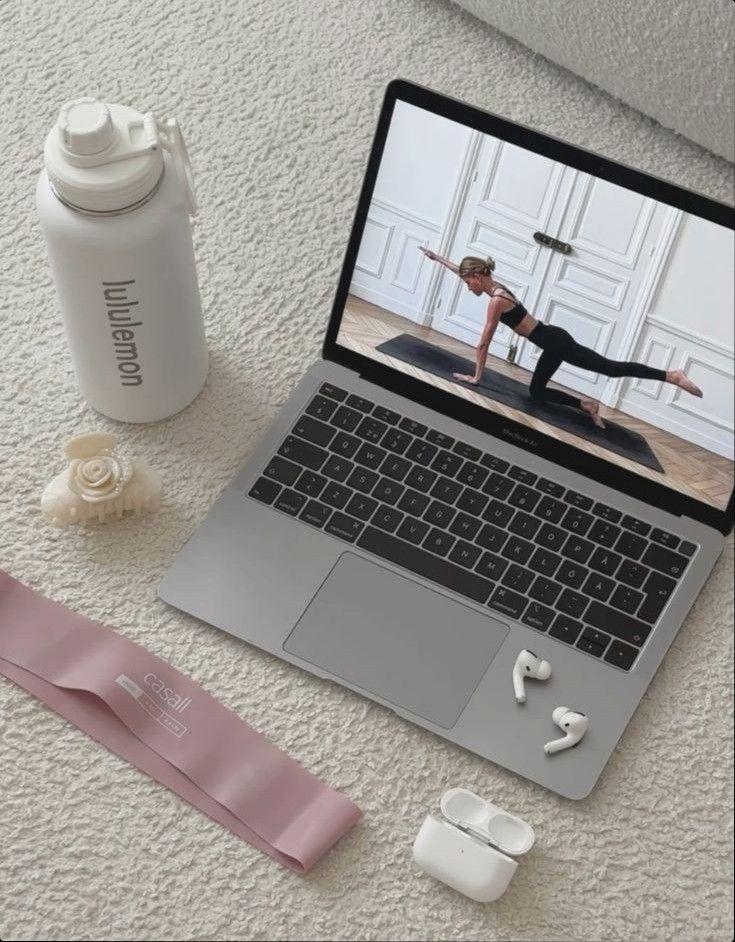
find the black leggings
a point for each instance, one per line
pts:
(560, 347)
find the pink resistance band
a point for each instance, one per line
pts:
(169, 727)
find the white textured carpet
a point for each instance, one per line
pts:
(278, 102)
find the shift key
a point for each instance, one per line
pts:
(616, 623)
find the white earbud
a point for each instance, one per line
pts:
(528, 664)
(574, 724)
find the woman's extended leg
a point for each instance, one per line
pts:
(588, 359)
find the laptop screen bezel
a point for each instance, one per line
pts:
(561, 453)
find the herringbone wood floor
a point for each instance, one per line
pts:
(689, 469)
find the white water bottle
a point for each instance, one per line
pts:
(115, 201)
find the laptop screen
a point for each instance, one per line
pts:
(571, 305)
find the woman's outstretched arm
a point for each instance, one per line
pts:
(446, 262)
(491, 325)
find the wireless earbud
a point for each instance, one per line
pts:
(573, 724)
(528, 664)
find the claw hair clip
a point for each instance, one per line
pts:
(99, 482)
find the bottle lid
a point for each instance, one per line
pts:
(105, 158)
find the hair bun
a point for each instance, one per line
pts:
(490, 264)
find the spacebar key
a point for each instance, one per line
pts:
(425, 564)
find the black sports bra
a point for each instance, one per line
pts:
(515, 315)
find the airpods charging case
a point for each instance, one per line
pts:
(471, 846)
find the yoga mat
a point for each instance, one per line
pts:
(614, 437)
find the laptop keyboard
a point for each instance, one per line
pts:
(526, 546)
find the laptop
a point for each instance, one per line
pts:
(406, 532)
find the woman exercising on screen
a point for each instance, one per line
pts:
(556, 344)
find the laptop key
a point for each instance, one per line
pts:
(550, 509)
(472, 474)
(572, 603)
(386, 415)
(491, 538)
(518, 550)
(439, 514)
(578, 500)
(310, 483)
(616, 623)
(447, 463)
(632, 574)
(521, 474)
(439, 541)
(524, 497)
(626, 599)
(370, 456)
(466, 526)
(346, 528)
(264, 490)
(361, 507)
(621, 655)
(321, 408)
(446, 489)
(387, 518)
(607, 513)
(577, 549)
(336, 495)
(427, 565)
(658, 590)
(593, 642)
(363, 479)
(303, 453)
(439, 438)
(577, 521)
(413, 530)
(497, 485)
(545, 590)
(415, 428)
(566, 629)
(498, 513)
(467, 451)
(387, 491)
(665, 561)
(572, 574)
(346, 419)
(289, 501)
(413, 503)
(464, 553)
(635, 525)
(687, 548)
(508, 602)
(396, 441)
(494, 463)
(604, 533)
(357, 402)
(395, 467)
(371, 429)
(605, 561)
(631, 545)
(421, 478)
(550, 487)
(518, 578)
(598, 587)
(538, 616)
(664, 538)
(524, 525)
(421, 452)
(551, 537)
(337, 468)
(315, 513)
(334, 392)
(491, 566)
(282, 471)
(313, 430)
(472, 501)
(544, 562)
(344, 444)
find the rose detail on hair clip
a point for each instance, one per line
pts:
(99, 482)
(101, 477)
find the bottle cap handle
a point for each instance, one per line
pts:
(173, 140)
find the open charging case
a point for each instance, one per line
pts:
(472, 845)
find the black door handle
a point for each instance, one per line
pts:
(556, 244)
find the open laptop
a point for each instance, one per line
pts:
(406, 533)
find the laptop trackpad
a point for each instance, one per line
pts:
(390, 636)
